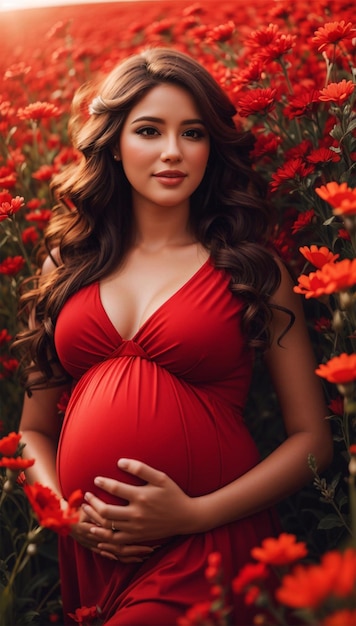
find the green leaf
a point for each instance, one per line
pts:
(330, 521)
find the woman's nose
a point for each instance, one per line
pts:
(171, 151)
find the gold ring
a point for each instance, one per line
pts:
(115, 530)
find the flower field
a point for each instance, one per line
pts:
(290, 71)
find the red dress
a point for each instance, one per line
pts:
(172, 397)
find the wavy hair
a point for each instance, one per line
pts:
(92, 226)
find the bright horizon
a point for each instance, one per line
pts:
(14, 5)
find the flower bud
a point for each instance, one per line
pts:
(346, 300)
(31, 549)
(8, 486)
(337, 322)
(346, 390)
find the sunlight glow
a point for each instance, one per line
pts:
(13, 5)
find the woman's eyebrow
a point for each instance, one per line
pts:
(159, 120)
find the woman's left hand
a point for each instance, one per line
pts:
(156, 510)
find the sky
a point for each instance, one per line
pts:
(11, 5)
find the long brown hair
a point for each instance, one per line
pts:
(92, 226)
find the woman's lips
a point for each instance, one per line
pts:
(170, 177)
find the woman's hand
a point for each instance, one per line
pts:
(155, 511)
(82, 533)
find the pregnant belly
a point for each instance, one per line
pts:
(130, 407)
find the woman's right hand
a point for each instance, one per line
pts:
(81, 532)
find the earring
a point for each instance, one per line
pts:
(116, 157)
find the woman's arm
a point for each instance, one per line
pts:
(161, 509)
(40, 426)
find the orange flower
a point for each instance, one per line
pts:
(341, 197)
(38, 111)
(337, 92)
(331, 278)
(308, 586)
(345, 617)
(340, 369)
(318, 256)
(47, 508)
(332, 33)
(16, 464)
(280, 551)
(9, 444)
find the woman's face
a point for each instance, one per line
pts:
(164, 148)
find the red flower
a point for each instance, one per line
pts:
(4, 336)
(280, 551)
(38, 111)
(344, 234)
(12, 265)
(256, 102)
(9, 366)
(265, 145)
(346, 617)
(336, 406)
(303, 103)
(332, 33)
(44, 173)
(277, 48)
(341, 197)
(337, 92)
(340, 369)
(29, 235)
(197, 615)
(322, 325)
(318, 256)
(84, 614)
(47, 508)
(249, 574)
(331, 278)
(303, 220)
(8, 181)
(213, 571)
(9, 444)
(264, 36)
(17, 70)
(7, 209)
(40, 216)
(222, 32)
(252, 595)
(323, 155)
(293, 171)
(16, 464)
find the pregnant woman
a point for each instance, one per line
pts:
(158, 286)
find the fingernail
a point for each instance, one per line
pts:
(87, 495)
(123, 463)
(98, 481)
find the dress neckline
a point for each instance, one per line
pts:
(187, 283)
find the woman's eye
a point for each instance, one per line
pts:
(194, 133)
(147, 131)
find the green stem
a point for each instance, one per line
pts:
(18, 239)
